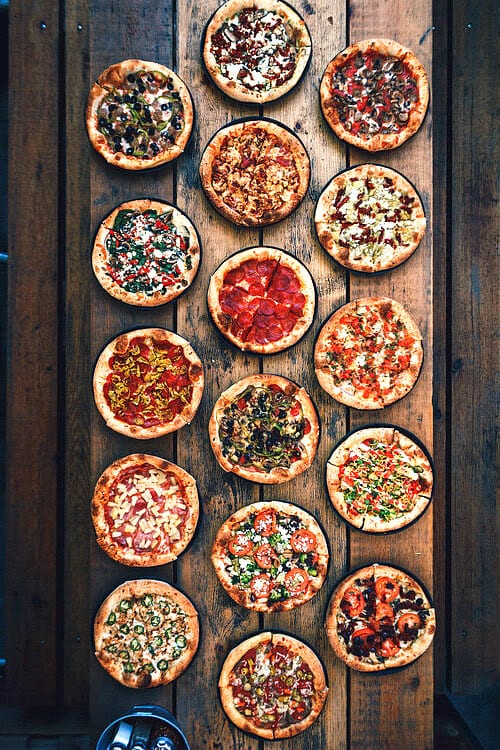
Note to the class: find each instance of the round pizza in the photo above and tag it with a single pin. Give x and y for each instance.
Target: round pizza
(264, 428)
(378, 618)
(145, 510)
(139, 115)
(368, 353)
(273, 685)
(270, 556)
(255, 172)
(379, 479)
(256, 51)
(146, 253)
(262, 299)
(147, 383)
(146, 633)
(374, 94)
(369, 218)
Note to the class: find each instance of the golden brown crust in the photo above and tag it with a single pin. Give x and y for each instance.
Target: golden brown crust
(367, 240)
(101, 257)
(377, 141)
(113, 78)
(255, 190)
(120, 346)
(152, 535)
(386, 388)
(227, 319)
(308, 442)
(396, 441)
(228, 81)
(221, 559)
(145, 670)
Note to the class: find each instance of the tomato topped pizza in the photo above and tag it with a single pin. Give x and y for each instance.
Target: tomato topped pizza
(270, 556)
(264, 428)
(272, 685)
(262, 299)
(145, 510)
(369, 218)
(256, 51)
(379, 479)
(146, 633)
(374, 94)
(146, 253)
(148, 382)
(255, 172)
(368, 353)
(378, 618)
(139, 115)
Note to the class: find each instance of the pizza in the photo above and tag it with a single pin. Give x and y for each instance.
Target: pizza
(272, 685)
(147, 383)
(378, 618)
(262, 299)
(270, 556)
(256, 50)
(264, 428)
(139, 115)
(374, 94)
(146, 253)
(255, 172)
(145, 510)
(146, 633)
(379, 479)
(368, 353)
(369, 218)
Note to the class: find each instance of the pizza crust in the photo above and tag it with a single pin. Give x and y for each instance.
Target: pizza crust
(120, 346)
(309, 441)
(128, 555)
(111, 78)
(248, 215)
(377, 141)
(234, 87)
(388, 256)
(224, 322)
(100, 255)
(390, 436)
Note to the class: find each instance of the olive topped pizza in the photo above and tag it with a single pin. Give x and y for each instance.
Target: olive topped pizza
(369, 218)
(272, 685)
(379, 479)
(262, 299)
(374, 94)
(264, 428)
(255, 172)
(368, 353)
(148, 382)
(270, 556)
(256, 50)
(378, 618)
(139, 115)
(146, 633)
(146, 253)
(145, 510)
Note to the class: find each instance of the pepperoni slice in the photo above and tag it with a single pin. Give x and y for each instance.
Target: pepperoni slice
(234, 276)
(274, 333)
(259, 335)
(267, 307)
(245, 319)
(256, 289)
(281, 312)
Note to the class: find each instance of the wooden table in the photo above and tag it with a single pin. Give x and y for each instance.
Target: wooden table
(362, 711)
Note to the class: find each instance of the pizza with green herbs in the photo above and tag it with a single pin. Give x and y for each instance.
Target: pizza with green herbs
(264, 428)
(379, 479)
(146, 253)
(139, 115)
(148, 382)
(270, 556)
(146, 633)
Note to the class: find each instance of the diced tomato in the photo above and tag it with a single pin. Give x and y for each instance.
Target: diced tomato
(353, 602)
(263, 555)
(296, 581)
(240, 545)
(242, 404)
(303, 540)
(409, 621)
(387, 589)
(388, 648)
(261, 586)
(265, 522)
(295, 409)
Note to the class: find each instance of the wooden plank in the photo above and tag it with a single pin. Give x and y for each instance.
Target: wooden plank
(474, 355)
(397, 710)
(32, 389)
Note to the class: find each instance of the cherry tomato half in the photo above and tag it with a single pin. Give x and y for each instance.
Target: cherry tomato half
(296, 581)
(303, 540)
(409, 621)
(353, 602)
(260, 586)
(387, 589)
(240, 544)
(384, 612)
(263, 555)
(265, 522)
(363, 634)
(389, 647)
